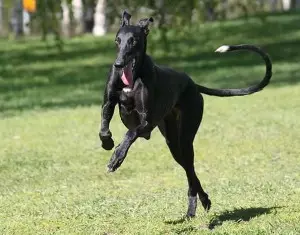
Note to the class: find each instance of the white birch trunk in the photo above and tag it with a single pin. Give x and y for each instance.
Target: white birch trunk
(65, 24)
(77, 7)
(99, 19)
(286, 4)
(26, 22)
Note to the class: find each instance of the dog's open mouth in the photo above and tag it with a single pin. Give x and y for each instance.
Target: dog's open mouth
(127, 77)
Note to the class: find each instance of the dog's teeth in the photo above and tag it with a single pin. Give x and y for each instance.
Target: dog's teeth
(126, 89)
(222, 49)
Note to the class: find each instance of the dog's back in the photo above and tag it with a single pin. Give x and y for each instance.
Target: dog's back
(168, 85)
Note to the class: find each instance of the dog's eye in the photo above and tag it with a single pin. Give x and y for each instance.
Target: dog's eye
(132, 41)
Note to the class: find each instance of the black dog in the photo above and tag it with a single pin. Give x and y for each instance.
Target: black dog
(149, 95)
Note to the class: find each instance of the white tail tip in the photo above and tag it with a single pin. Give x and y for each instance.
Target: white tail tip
(222, 49)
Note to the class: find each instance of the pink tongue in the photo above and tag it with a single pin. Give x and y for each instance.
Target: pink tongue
(127, 75)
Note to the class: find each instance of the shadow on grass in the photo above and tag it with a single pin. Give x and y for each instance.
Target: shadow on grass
(36, 51)
(236, 215)
(239, 215)
(185, 230)
(177, 221)
(41, 78)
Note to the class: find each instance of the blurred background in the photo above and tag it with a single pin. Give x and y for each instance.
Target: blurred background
(69, 18)
(58, 52)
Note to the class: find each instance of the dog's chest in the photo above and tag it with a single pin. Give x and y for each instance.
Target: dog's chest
(128, 113)
(127, 100)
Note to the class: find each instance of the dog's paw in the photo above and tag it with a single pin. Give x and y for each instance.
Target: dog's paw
(206, 204)
(116, 160)
(114, 165)
(107, 141)
(108, 144)
(192, 207)
(189, 216)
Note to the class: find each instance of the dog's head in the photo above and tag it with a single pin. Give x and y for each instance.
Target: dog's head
(131, 45)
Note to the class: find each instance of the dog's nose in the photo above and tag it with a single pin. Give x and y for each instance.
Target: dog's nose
(119, 64)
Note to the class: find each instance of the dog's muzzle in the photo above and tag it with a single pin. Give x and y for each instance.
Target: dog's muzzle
(119, 63)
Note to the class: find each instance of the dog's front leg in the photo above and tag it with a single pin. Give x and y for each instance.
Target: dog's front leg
(121, 150)
(105, 134)
(143, 130)
(109, 102)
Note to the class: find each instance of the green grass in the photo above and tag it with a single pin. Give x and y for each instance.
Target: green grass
(53, 176)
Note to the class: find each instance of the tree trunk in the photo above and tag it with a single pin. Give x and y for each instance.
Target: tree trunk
(224, 8)
(65, 24)
(88, 15)
(18, 19)
(295, 4)
(286, 4)
(1, 17)
(43, 18)
(77, 7)
(26, 23)
(274, 4)
(99, 19)
(209, 10)
(161, 9)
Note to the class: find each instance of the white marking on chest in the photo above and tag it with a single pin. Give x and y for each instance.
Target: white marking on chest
(126, 89)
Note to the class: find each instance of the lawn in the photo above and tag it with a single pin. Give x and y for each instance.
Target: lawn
(53, 177)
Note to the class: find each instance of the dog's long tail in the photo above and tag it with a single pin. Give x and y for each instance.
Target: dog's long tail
(242, 91)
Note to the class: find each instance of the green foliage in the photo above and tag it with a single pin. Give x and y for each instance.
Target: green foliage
(52, 169)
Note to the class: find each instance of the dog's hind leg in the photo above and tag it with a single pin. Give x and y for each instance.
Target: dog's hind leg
(179, 130)
(191, 105)
(170, 130)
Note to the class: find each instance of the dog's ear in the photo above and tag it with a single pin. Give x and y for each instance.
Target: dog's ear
(125, 18)
(144, 24)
